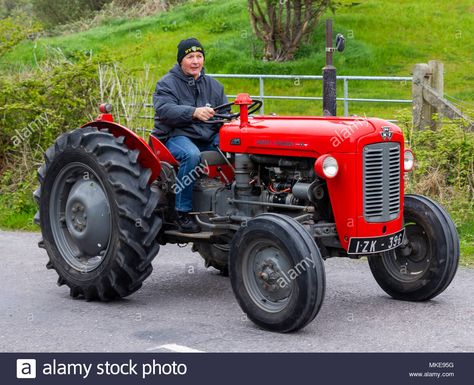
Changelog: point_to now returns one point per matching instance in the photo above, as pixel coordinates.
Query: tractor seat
(212, 158)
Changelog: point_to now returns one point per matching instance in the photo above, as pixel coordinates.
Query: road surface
(183, 306)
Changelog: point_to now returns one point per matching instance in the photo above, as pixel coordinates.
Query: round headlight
(330, 167)
(326, 166)
(408, 160)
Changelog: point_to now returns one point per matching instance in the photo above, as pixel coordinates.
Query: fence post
(262, 95)
(329, 76)
(437, 83)
(421, 109)
(346, 96)
(431, 75)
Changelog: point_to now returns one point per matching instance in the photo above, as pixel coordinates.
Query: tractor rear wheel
(426, 265)
(214, 255)
(96, 215)
(277, 273)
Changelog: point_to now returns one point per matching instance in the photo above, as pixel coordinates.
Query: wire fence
(263, 96)
(345, 79)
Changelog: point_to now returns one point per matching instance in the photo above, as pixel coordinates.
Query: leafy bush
(13, 30)
(444, 171)
(37, 106)
(10, 8)
(34, 109)
(63, 11)
(445, 160)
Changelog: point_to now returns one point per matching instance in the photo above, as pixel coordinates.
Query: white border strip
(176, 348)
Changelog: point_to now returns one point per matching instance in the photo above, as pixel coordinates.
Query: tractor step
(201, 235)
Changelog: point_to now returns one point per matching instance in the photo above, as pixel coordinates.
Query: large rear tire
(423, 268)
(214, 255)
(96, 215)
(277, 273)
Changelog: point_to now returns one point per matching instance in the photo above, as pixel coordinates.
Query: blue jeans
(188, 152)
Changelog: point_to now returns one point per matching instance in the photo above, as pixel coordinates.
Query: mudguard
(162, 151)
(147, 157)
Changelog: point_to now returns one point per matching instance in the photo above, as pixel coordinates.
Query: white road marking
(176, 348)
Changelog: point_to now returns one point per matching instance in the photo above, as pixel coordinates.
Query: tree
(282, 24)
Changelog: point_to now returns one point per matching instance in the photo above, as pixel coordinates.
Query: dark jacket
(175, 99)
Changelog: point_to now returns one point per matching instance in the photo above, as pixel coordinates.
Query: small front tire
(426, 265)
(277, 273)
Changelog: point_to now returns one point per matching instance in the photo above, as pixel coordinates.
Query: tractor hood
(303, 136)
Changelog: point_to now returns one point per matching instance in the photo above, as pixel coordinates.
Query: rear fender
(147, 157)
(162, 151)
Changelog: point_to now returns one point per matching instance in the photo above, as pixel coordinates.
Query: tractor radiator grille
(381, 181)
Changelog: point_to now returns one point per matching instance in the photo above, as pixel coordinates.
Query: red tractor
(278, 197)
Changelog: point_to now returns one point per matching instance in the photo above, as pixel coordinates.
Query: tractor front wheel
(426, 263)
(277, 273)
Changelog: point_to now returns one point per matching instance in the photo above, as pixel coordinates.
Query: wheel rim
(265, 276)
(80, 217)
(408, 263)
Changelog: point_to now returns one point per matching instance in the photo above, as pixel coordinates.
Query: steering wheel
(223, 118)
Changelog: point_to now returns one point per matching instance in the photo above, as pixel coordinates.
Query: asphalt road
(183, 306)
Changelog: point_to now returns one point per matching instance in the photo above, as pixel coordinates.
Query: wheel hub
(268, 274)
(270, 277)
(79, 217)
(87, 217)
(418, 248)
(410, 261)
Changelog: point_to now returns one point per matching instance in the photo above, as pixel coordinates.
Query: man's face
(192, 64)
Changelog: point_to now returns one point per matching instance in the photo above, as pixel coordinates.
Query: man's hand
(203, 113)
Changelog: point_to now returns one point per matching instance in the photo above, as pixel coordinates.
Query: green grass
(383, 38)
(19, 216)
(466, 235)
(17, 221)
(462, 213)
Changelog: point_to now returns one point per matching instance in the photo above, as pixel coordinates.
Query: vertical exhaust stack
(329, 71)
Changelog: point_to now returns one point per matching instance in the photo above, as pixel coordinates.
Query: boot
(187, 223)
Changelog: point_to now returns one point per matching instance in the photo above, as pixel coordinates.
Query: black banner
(236, 368)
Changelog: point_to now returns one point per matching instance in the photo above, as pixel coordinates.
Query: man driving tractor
(289, 200)
(182, 102)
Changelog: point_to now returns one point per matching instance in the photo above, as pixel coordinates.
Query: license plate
(375, 245)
